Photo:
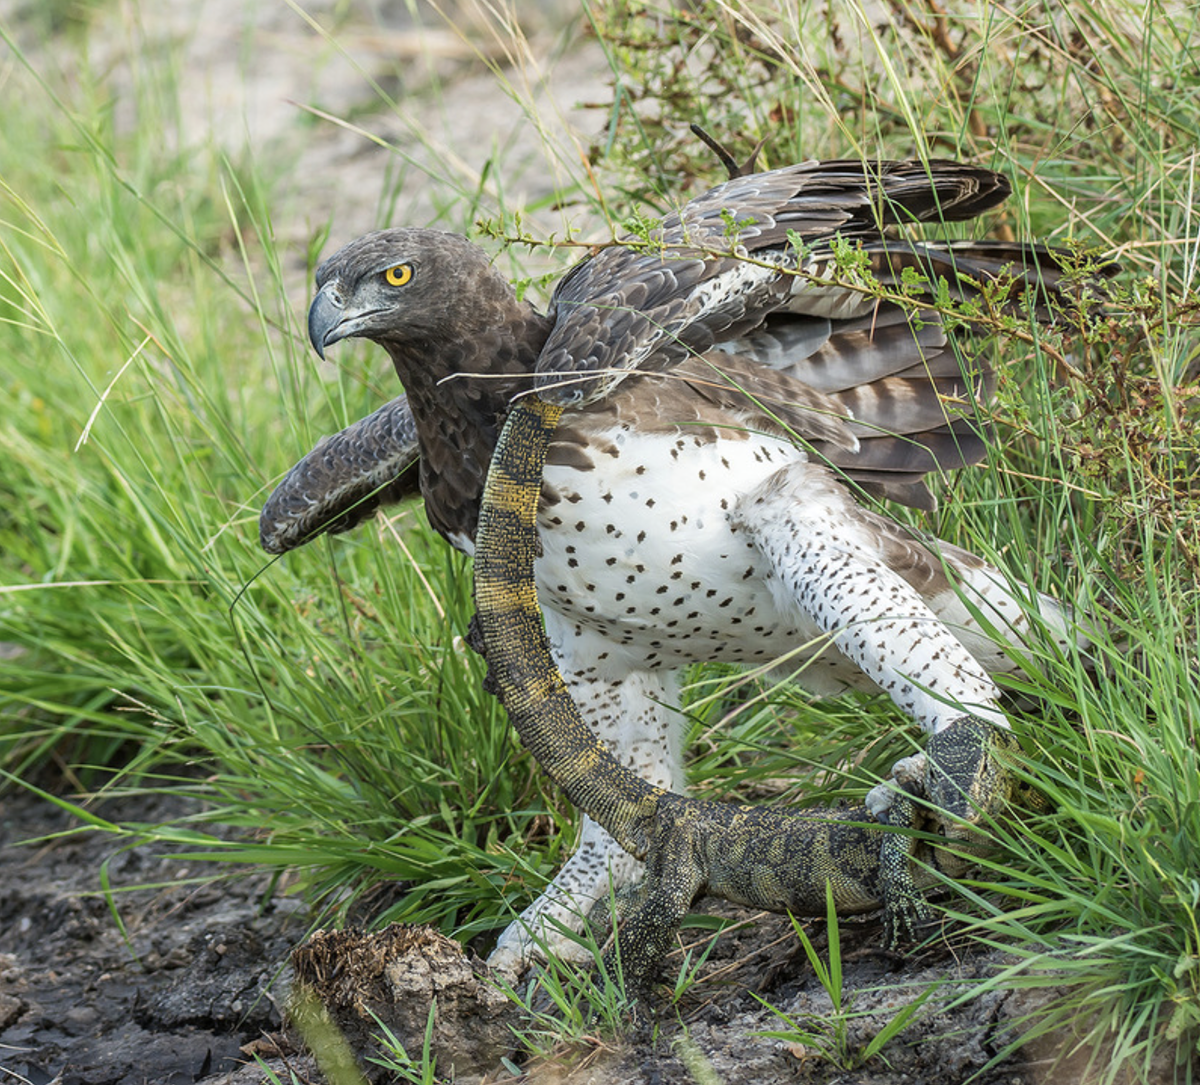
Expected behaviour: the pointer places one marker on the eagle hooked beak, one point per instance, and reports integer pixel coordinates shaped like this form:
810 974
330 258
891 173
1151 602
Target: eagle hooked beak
327 321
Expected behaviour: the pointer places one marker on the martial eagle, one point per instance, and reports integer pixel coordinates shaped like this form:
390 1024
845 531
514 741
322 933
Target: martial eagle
735 406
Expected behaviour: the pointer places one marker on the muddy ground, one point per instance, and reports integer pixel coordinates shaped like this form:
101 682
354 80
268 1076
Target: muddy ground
193 989
191 982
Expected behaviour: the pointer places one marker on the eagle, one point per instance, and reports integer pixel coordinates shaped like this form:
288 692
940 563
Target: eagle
741 384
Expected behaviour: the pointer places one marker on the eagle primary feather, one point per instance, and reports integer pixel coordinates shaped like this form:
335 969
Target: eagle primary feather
729 403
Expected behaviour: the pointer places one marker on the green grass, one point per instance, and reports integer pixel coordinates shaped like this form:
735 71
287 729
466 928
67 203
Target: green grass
829 1034
157 382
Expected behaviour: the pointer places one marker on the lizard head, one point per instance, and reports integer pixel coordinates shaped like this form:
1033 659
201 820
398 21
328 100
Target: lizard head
968 778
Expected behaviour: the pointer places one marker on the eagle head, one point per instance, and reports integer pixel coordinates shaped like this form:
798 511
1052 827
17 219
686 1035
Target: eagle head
402 287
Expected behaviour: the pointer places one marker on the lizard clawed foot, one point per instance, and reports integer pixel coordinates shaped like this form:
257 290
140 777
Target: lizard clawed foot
908 926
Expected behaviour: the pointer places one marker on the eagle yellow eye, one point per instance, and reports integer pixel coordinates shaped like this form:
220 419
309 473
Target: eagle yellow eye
398 275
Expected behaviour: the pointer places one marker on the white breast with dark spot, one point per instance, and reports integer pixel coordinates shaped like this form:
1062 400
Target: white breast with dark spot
648 575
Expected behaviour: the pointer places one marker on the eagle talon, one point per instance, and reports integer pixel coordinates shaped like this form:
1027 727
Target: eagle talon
968 785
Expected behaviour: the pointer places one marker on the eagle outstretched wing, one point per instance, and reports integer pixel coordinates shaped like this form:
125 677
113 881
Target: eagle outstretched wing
718 266
342 481
721 299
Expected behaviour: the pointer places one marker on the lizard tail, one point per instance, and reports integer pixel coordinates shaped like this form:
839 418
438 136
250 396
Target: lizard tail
509 619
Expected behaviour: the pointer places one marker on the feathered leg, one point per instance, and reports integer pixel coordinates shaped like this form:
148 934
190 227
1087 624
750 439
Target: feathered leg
839 565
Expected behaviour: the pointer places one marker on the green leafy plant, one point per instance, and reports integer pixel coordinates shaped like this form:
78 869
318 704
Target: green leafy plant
417 1071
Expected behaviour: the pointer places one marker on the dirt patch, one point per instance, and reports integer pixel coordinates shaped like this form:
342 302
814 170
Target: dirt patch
193 991
191 982
717 1032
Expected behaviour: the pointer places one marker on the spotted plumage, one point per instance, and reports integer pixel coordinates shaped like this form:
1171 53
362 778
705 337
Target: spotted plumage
729 405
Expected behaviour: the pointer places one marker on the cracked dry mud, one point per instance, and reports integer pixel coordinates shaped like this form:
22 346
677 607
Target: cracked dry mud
175 1000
